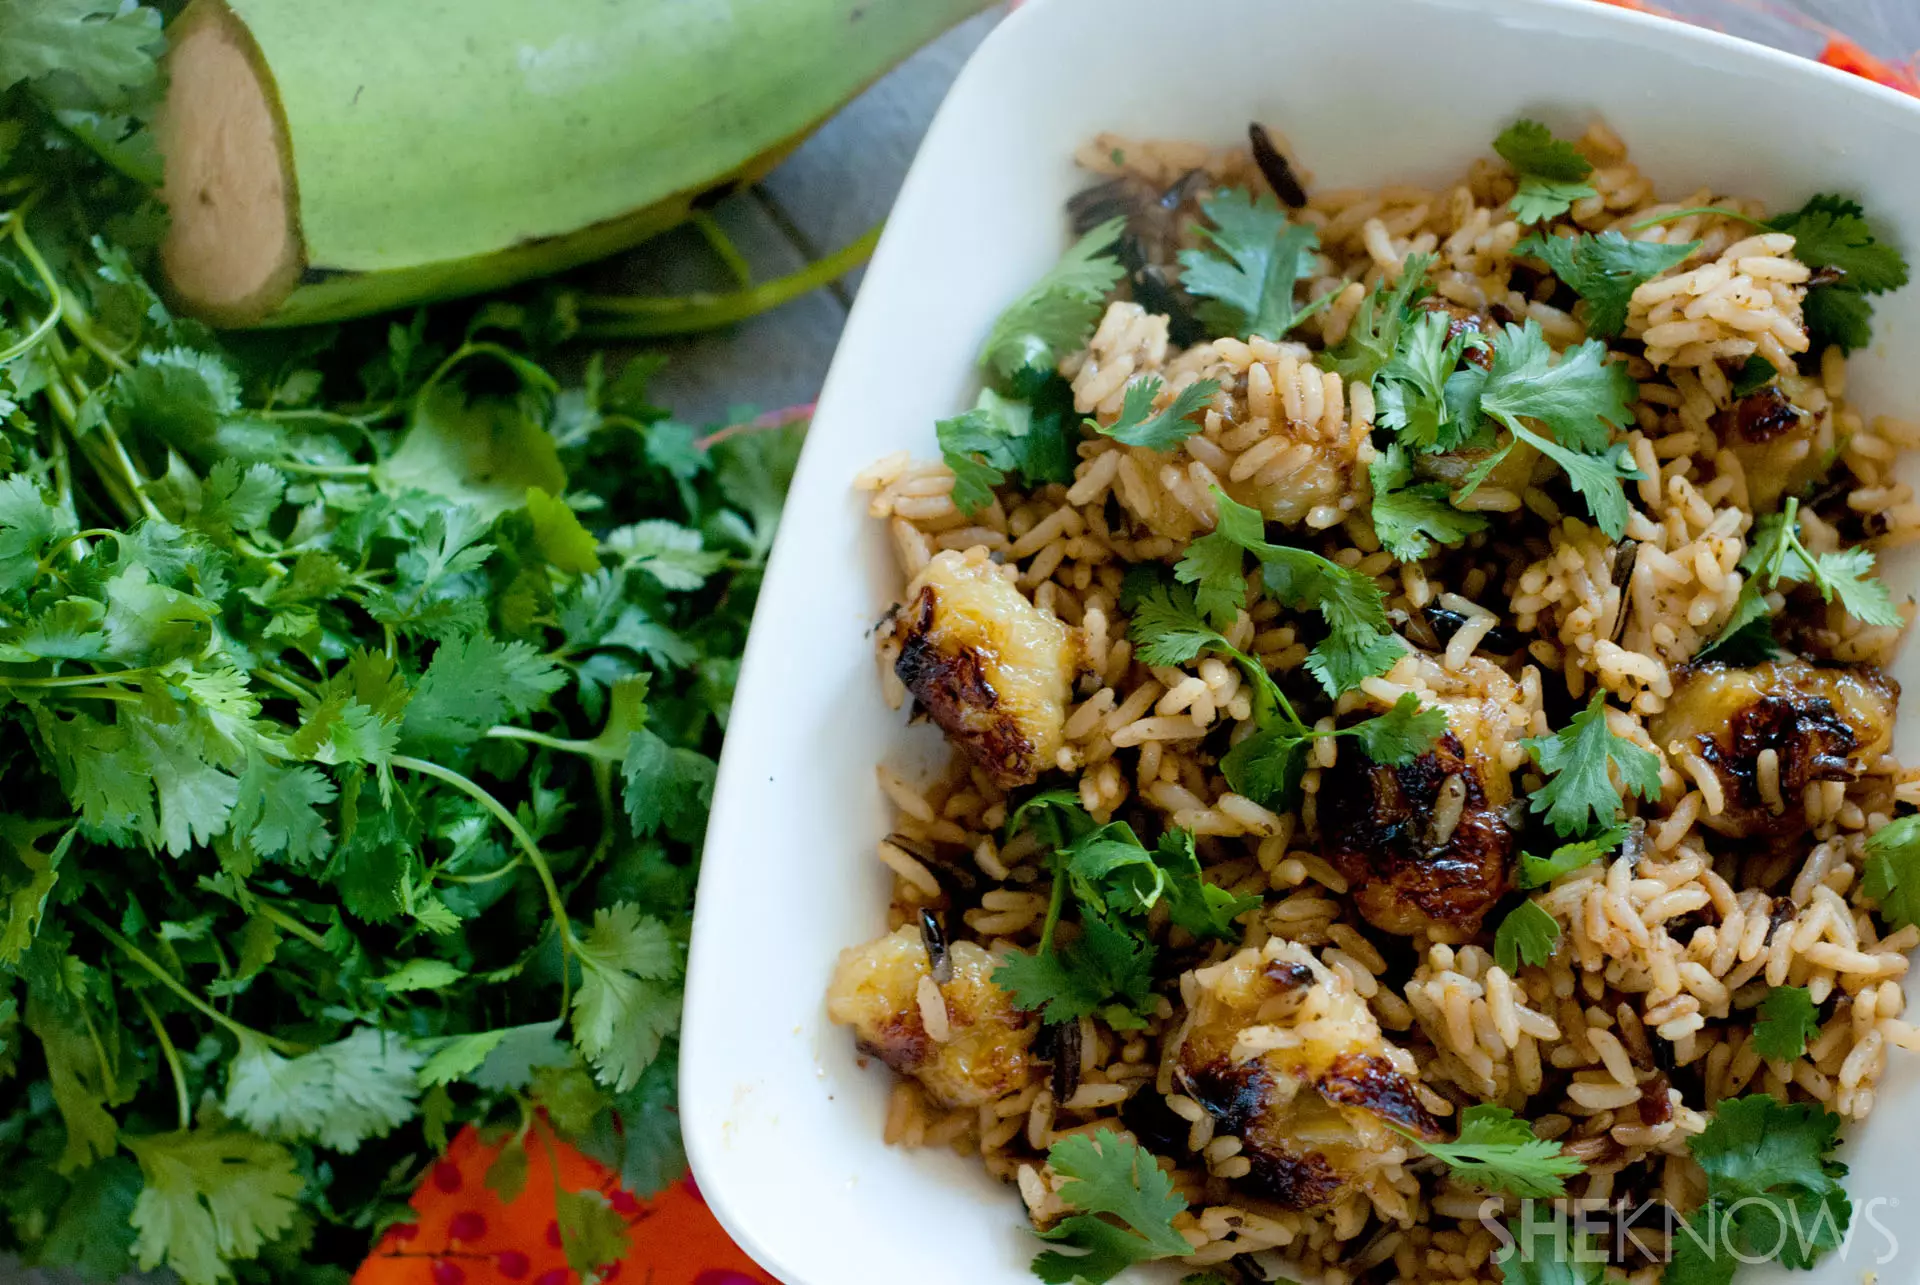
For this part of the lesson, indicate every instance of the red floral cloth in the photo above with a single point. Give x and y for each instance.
(466, 1235)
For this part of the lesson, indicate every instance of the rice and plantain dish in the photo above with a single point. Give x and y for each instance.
(1422, 778)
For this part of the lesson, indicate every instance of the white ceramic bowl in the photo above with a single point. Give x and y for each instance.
(783, 1127)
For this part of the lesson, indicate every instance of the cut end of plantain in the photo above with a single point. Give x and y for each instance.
(233, 250)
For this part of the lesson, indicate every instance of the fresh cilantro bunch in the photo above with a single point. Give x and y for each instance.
(1772, 1191)
(359, 691)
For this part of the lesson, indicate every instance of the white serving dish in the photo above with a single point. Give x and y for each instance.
(782, 1125)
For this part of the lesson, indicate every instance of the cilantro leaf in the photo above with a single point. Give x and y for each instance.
(1605, 270)
(1788, 1020)
(1215, 563)
(1531, 148)
(1526, 935)
(1775, 556)
(1832, 231)
(1499, 1152)
(1251, 264)
(1110, 1177)
(1772, 1190)
(1543, 1248)
(1267, 766)
(626, 1004)
(1579, 398)
(1414, 390)
(1538, 872)
(338, 1095)
(210, 1195)
(1893, 870)
(666, 787)
(1754, 374)
(1167, 628)
(1551, 172)
(1202, 908)
(81, 55)
(1374, 335)
(1055, 316)
(1001, 436)
(1747, 638)
(1579, 761)
(1411, 519)
(1140, 425)
(1106, 970)
(1403, 733)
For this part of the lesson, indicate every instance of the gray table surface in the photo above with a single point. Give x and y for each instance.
(844, 179)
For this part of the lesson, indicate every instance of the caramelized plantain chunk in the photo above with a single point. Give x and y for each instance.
(1821, 723)
(1425, 845)
(987, 1053)
(993, 670)
(1287, 1057)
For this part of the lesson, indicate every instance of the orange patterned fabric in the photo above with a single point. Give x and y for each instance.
(466, 1235)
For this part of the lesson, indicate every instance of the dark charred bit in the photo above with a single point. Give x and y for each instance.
(1811, 739)
(1461, 321)
(1288, 975)
(1501, 314)
(1153, 1122)
(1377, 828)
(1233, 1095)
(1369, 1081)
(1446, 622)
(1826, 276)
(903, 1043)
(1758, 417)
(934, 938)
(1066, 1059)
(1294, 1182)
(1625, 555)
(1779, 915)
(952, 688)
(1655, 1106)
(1274, 167)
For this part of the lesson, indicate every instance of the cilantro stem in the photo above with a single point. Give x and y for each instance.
(528, 372)
(479, 794)
(166, 979)
(61, 546)
(73, 680)
(45, 326)
(585, 749)
(641, 316)
(284, 683)
(1658, 219)
(1056, 899)
(287, 923)
(172, 1056)
(323, 470)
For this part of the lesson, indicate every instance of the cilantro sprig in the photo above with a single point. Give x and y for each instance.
(1168, 628)
(1374, 335)
(1832, 232)
(1605, 270)
(1538, 872)
(1527, 935)
(1115, 881)
(1777, 558)
(1580, 762)
(1140, 425)
(1358, 643)
(1252, 263)
(1497, 1151)
(1056, 314)
(1552, 173)
(1125, 1204)
(1772, 1191)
